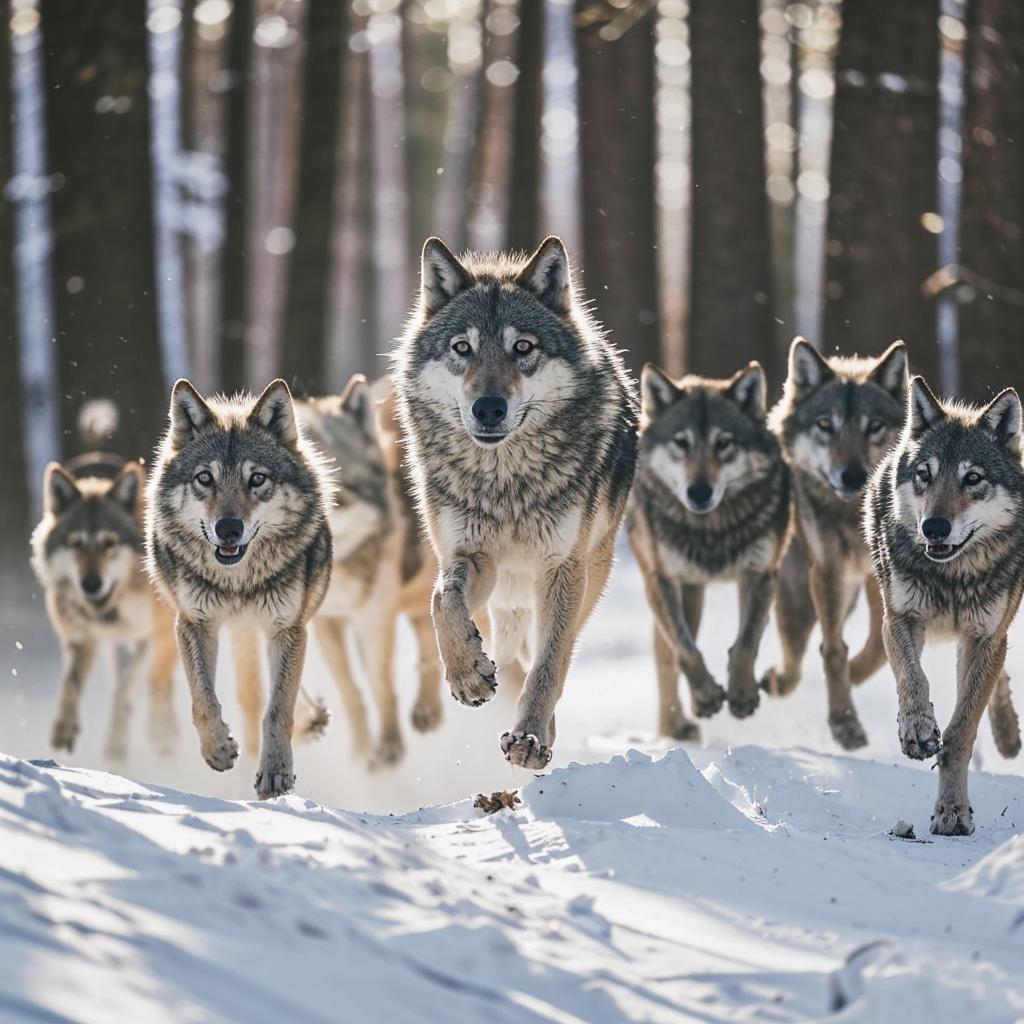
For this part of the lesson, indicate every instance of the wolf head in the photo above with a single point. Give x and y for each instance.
(702, 437)
(959, 479)
(494, 342)
(233, 474)
(89, 537)
(838, 416)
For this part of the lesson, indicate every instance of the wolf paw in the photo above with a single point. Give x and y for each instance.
(952, 819)
(685, 731)
(65, 731)
(743, 694)
(474, 680)
(526, 750)
(708, 698)
(426, 715)
(919, 734)
(221, 752)
(778, 684)
(847, 730)
(275, 775)
(389, 751)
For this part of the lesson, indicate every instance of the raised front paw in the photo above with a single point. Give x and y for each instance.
(470, 673)
(952, 819)
(220, 751)
(708, 697)
(919, 733)
(526, 750)
(847, 730)
(65, 731)
(275, 775)
(743, 694)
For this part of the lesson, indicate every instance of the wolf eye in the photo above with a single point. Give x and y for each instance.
(723, 442)
(874, 426)
(972, 478)
(76, 540)
(825, 424)
(107, 542)
(681, 441)
(523, 346)
(204, 478)
(257, 479)
(461, 347)
(924, 474)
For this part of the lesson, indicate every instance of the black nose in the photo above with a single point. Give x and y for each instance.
(936, 529)
(229, 530)
(91, 583)
(700, 492)
(853, 476)
(490, 410)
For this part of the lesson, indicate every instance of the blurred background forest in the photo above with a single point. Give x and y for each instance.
(236, 190)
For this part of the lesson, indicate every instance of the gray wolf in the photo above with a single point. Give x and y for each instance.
(836, 419)
(382, 566)
(711, 502)
(237, 533)
(87, 554)
(521, 423)
(944, 518)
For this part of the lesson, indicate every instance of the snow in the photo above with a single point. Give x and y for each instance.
(749, 878)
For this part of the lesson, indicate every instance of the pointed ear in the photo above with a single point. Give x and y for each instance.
(749, 390)
(1003, 417)
(891, 372)
(547, 275)
(442, 276)
(275, 412)
(925, 409)
(127, 486)
(189, 412)
(807, 370)
(357, 399)
(657, 389)
(59, 489)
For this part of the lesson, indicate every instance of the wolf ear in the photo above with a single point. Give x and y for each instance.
(442, 276)
(891, 372)
(1003, 417)
(127, 486)
(189, 412)
(925, 409)
(657, 389)
(547, 275)
(275, 412)
(357, 399)
(807, 370)
(749, 390)
(59, 489)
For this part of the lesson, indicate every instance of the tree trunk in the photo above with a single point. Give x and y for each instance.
(524, 200)
(731, 313)
(98, 137)
(615, 62)
(879, 252)
(992, 214)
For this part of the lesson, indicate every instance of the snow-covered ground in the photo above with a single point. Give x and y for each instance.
(749, 878)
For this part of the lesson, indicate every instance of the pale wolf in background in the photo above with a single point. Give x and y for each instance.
(944, 517)
(237, 532)
(382, 566)
(711, 502)
(521, 426)
(87, 553)
(836, 419)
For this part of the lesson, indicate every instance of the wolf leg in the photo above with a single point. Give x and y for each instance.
(672, 719)
(247, 656)
(330, 634)
(129, 661)
(1003, 718)
(79, 656)
(465, 584)
(376, 636)
(276, 774)
(197, 645)
(794, 617)
(163, 723)
(918, 731)
(872, 656)
(756, 592)
(426, 712)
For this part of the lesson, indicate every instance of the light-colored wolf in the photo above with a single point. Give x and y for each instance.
(382, 567)
(944, 518)
(237, 532)
(521, 424)
(711, 502)
(87, 554)
(836, 419)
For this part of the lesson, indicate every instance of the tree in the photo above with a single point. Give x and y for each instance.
(524, 200)
(616, 79)
(98, 141)
(731, 313)
(992, 214)
(879, 249)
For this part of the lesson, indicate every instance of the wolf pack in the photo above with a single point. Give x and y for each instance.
(478, 491)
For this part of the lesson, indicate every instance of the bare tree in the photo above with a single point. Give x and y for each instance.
(524, 199)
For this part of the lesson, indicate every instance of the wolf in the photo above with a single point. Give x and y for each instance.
(382, 566)
(711, 502)
(237, 533)
(87, 555)
(836, 419)
(520, 422)
(944, 519)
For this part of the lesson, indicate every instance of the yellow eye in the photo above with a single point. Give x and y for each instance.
(204, 478)
(972, 478)
(461, 347)
(257, 480)
(523, 346)
(825, 424)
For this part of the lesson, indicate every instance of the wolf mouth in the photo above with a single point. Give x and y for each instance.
(944, 552)
(228, 555)
(489, 439)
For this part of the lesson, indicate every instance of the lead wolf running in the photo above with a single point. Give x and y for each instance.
(521, 426)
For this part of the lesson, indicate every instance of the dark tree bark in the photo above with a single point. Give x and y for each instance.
(234, 266)
(303, 361)
(524, 200)
(992, 214)
(883, 179)
(98, 139)
(615, 61)
(731, 314)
